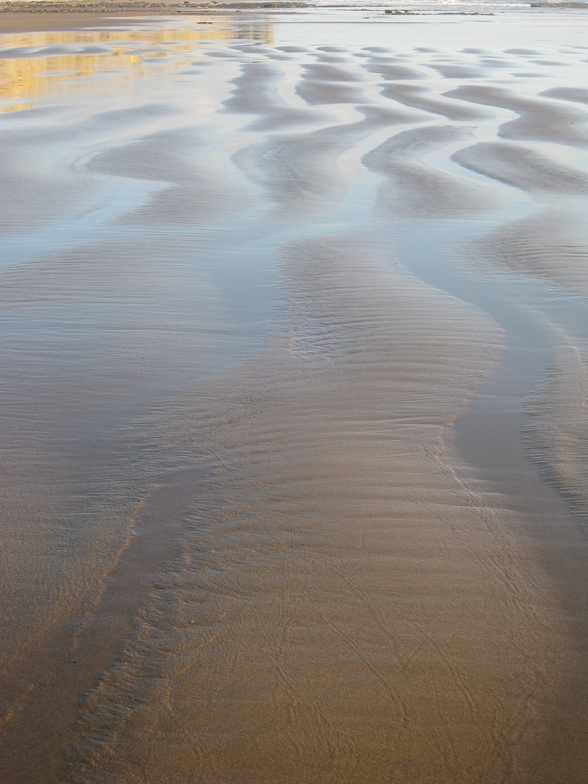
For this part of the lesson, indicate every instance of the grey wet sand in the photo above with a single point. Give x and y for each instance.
(524, 168)
(431, 193)
(530, 245)
(261, 519)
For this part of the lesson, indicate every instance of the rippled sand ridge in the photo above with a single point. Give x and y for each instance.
(293, 350)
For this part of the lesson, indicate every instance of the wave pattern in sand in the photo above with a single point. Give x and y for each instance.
(243, 541)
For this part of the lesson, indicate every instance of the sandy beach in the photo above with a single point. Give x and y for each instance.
(293, 351)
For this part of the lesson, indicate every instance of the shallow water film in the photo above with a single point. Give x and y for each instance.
(293, 382)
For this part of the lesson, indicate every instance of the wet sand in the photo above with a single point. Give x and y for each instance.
(294, 347)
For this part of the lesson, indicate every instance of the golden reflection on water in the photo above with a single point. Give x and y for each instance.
(18, 107)
(27, 71)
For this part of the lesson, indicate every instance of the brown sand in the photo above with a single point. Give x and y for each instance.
(249, 532)
(558, 433)
(136, 7)
(338, 582)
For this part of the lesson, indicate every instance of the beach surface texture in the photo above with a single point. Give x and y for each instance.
(294, 371)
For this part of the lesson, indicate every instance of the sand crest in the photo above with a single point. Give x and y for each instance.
(551, 245)
(524, 168)
(539, 119)
(432, 193)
